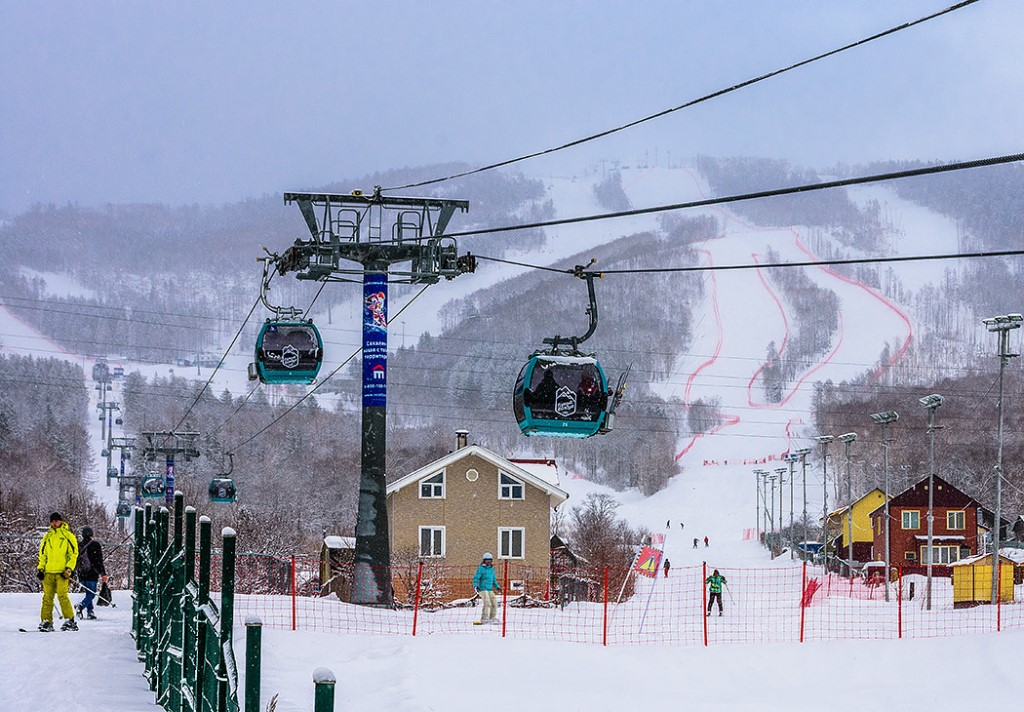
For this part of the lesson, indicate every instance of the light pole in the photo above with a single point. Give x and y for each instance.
(847, 440)
(1001, 325)
(932, 403)
(771, 478)
(781, 471)
(802, 453)
(791, 458)
(824, 440)
(763, 485)
(883, 419)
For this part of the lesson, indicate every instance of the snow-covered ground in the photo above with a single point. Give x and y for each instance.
(714, 497)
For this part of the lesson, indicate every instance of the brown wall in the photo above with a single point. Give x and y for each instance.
(471, 513)
(902, 540)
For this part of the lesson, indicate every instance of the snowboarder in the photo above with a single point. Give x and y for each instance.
(90, 571)
(706, 544)
(58, 555)
(668, 565)
(485, 583)
(715, 582)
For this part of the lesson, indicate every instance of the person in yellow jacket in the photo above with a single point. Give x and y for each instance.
(58, 555)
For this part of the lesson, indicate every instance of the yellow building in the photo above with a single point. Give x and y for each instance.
(972, 580)
(838, 529)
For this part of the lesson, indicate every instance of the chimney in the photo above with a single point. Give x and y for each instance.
(461, 439)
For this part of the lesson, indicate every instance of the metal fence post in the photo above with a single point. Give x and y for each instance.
(416, 604)
(227, 608)
(323, 695)
(253, 651)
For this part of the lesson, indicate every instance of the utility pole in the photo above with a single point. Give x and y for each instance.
(824, 440)
(781, 471)
(1001, 325)
(791, 458)
(106, 415)
(932, 403)
(375, 232)
(847, 439)
(884, 419)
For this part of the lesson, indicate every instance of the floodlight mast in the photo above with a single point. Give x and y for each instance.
(848, 439)
(932, 403)
(1002, 325)
(375, 232)
(802, 453)
(824, 440)
(884, 419)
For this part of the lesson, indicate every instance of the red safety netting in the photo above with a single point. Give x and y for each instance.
(786, 603)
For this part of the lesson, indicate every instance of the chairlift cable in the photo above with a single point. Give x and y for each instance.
(693, 102)
(773, 193)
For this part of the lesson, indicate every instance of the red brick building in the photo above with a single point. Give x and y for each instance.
(956, 533)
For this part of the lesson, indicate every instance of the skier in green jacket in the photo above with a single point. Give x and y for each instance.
(715, 582)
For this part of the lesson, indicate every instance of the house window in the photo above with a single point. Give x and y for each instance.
(942, 554)
(511, 488)
(954, 520)
(431, 541)
(911, 519)
(432, 487)
(511, 542)
(910, 556)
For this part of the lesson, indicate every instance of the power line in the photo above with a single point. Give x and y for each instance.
(693, 102)
(776, 192)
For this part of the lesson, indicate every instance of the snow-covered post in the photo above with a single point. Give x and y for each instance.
(253, 653)
(323, 694)
(190, 544)
(179, 520)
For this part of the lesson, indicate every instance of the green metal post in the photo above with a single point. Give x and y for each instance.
(323, 695)
(179, 516)
(190, 544)
(253, 650)
(202, 599)
(137, 576)
(227, 608)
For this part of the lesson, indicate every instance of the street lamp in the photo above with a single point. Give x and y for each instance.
(824, 440)
(884, 419)
(791, 458)
(802, 453)
(781, 471)
(1001, 325)
(771, 478)
(762, 485)
(847, 440)
(932, 403)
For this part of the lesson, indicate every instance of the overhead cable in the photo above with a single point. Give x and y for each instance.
(693, 102)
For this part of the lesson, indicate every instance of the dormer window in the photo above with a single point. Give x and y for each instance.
(511, 488)
(432, 487)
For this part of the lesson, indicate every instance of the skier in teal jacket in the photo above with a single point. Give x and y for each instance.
(485, 583)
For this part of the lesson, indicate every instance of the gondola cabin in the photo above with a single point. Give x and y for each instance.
(222, 489)
(153, 487)
(100, 371)
(288, 352)
(561, 396)
(123, 509)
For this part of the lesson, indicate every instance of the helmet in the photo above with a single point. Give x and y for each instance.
(488, 556)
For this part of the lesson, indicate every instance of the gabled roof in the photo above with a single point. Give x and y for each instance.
(556, 494)
(842, 510)
(917, 495)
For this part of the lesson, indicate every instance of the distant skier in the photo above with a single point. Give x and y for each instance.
(668, 565)
(485, 583)
(90, 572)
(58, 555)
(694, 542)
(715, 582)
(668, 524)
(706, 542)
(680, 525)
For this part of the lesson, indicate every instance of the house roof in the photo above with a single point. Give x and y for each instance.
(977, 558)
(842, 510)
(538, 478)
(915, 497)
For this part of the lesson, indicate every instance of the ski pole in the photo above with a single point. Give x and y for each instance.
(725, 585)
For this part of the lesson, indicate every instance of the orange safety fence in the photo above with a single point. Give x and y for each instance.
(786, 603)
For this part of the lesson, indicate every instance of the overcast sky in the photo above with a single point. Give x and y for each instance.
(181, 102)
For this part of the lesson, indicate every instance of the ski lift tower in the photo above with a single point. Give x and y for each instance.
(390, 239)
(169, 444)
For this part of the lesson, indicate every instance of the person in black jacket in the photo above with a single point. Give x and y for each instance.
(90, 571)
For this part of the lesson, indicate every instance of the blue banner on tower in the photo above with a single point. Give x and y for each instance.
(169, 476)
(375, 340)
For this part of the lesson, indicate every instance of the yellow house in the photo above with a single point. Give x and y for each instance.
(972, 580)
(839, 527)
